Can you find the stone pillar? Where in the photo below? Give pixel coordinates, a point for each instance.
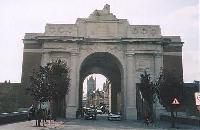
(131, 112)
(109, 98)
(158, 63)
(158, 108)
(45, 58)
(114, 97)
(72, 103)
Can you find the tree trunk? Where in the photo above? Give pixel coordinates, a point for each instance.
(61, 107)
(39, 119)
(53, 107)
(58, 108)
(172, 117)
(152, 113)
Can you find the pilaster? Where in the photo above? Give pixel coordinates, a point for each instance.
(73, 93)
(131, 112)
(45, 58)
(158, 63)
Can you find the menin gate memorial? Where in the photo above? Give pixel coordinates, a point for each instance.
(107, 45)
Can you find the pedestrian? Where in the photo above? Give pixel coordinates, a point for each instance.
(146, 118)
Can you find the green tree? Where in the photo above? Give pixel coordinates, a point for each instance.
(169, 87)
(59, 80)
(39, 86)
(148, 91)
(51, 83)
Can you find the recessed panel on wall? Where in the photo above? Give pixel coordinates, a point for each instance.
(102, 30)
(144, 63)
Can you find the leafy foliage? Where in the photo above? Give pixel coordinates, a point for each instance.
(146, 87)
(51, 82)
(59, 79)
(166, 88)
(170, 87)
(148, 90)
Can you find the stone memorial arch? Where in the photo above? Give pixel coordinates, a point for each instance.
(107, 45)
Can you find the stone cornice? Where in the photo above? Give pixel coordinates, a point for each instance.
(172, 41)
(143, 40)
(152, 52)
(61, 39)
(49, 50)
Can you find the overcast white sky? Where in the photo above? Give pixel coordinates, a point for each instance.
(17, 17)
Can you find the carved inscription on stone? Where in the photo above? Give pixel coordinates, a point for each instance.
(99, 30)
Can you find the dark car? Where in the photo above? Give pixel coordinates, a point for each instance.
(90, 114)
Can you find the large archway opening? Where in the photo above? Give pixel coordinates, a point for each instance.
(108, 65)
(96, 92)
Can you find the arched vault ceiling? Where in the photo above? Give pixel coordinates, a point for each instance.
(102, 63)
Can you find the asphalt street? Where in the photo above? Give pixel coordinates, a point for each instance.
(100, 124)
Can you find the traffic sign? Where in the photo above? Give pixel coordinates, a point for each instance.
(175, 102)
(197, 98)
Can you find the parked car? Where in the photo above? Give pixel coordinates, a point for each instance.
(90, 114)
(114, 117)
(99, 111)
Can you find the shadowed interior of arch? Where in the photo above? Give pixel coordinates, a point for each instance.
(108, 65)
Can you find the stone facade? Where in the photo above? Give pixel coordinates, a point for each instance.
(91, 89)
(91, 85)
(107, 92)
(123, 51)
